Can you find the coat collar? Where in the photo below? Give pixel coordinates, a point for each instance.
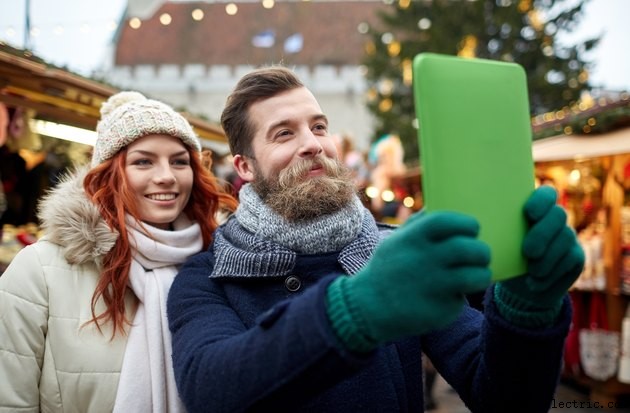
(69, 219)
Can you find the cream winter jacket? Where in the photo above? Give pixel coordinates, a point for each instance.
(49, 360)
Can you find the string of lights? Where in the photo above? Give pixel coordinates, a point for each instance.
(10, 33)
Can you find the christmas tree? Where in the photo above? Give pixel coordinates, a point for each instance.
(521, 31)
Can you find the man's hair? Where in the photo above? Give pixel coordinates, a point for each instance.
(257, 85)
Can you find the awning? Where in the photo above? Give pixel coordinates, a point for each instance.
(567, 147)
(63, 97)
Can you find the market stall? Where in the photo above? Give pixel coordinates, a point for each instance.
(592, 176)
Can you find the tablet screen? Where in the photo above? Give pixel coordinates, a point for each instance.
(475, 145)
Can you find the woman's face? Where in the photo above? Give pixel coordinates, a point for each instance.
(158, 171)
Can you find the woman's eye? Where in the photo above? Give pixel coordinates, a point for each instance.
(141, 162)
(181, 162)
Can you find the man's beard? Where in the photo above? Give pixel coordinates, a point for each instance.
(297, 197)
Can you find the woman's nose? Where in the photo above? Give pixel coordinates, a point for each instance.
(164, 175)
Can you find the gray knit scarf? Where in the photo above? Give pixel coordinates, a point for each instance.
(323, 234)
(257, 241)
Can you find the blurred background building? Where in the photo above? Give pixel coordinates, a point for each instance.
(191, 54)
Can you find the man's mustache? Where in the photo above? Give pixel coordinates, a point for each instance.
(301, 169)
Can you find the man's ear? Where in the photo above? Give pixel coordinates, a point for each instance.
(244, 167)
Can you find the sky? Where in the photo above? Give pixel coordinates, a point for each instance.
(76, 34)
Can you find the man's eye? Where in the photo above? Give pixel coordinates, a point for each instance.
(283, 134)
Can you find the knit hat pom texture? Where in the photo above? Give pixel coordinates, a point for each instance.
(119, 99)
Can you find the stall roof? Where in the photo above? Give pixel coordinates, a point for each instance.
(567, 147)
(63, 97)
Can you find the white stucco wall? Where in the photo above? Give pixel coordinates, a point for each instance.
(203, 90)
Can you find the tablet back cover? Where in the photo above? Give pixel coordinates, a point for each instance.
(476, 148)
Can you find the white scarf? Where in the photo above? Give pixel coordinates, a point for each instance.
(147, 382)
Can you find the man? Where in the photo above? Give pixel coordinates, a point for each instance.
(302, 304)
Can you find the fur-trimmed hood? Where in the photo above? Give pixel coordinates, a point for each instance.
(69, 219)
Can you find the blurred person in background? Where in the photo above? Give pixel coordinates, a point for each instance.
(82, 311)
(386, 160)
(13, 172)
(353, 159)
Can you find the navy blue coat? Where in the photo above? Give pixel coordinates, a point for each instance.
(254, 344)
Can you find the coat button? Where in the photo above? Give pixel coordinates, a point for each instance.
(292, 283)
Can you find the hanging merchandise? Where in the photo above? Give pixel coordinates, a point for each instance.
(625, 269)
(591, 237)
(625, 250)
(625, 225)
(599, 347)
(3, 205)
(4, 126)
(572, 343)
(593, 276)
(624, 361)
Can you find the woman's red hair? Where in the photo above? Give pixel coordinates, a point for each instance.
(106, 185)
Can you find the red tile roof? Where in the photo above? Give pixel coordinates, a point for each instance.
(329, 30)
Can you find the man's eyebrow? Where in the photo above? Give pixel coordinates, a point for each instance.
(285, 122)
(321, 116)
(278, 124)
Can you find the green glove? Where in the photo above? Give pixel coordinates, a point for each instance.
(554, 261)
(415, 282)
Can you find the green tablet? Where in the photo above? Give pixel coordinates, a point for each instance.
(476, 148)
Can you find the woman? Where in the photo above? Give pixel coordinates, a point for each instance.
(82, 311)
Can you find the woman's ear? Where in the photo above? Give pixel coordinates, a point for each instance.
(244, 167)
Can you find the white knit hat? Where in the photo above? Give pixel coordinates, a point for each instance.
(128, 115)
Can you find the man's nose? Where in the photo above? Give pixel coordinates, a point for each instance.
(311, 144)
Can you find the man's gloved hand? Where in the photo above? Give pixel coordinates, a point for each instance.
(555, 260)
(415, 282)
